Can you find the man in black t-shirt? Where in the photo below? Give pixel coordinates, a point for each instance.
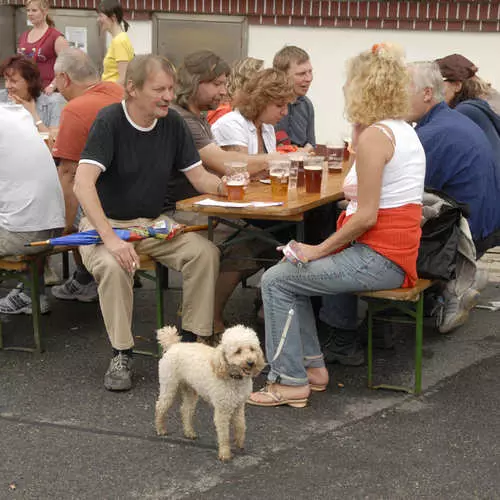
(133, 149)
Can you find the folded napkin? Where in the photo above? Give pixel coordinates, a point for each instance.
(208, 202)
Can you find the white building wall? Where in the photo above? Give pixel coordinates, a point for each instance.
(141, 36)
(329, 48)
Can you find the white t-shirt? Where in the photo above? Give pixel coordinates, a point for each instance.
(403, 176)
(31, 197)
(233, 129)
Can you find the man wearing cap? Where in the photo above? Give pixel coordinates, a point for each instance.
(459, 162)
(468, 94)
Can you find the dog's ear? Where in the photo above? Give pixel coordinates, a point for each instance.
(219, 363)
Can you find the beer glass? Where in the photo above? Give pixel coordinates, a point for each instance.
(279, 171)
(236, 179)
(313, 172)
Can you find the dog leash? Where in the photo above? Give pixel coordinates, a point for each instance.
(284, 333)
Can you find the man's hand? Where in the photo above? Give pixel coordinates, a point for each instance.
(124, 252)
(69, 230)
(49, 89)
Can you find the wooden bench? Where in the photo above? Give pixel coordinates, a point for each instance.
(25, 268)
(409, 302)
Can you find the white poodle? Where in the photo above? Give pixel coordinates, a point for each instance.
(222, 376)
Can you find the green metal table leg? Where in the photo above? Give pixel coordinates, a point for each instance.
(35, 303)
(370, 346)
(419, 344)
(210, 228)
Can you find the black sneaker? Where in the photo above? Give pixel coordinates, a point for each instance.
(119, 374)
(341, 346)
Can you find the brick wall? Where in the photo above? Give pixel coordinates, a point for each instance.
(444, 15)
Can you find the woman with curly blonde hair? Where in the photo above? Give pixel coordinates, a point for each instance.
(376, 243)
(260, 104)
(241, 71)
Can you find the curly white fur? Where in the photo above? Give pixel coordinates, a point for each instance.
(221, 376)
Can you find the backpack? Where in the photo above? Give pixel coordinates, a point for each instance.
(437, 254)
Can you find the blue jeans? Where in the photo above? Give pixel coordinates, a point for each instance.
(286, 286)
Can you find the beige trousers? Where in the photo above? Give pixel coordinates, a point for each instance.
(191, 254)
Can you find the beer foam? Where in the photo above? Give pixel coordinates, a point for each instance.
(313, 167)
(235, 183)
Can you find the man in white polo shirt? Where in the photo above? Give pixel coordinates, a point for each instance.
(32, 204)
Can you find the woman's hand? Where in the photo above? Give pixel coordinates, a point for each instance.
(296, 252)
(310, 252)
(30, 105)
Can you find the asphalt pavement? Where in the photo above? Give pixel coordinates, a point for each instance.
(63, 436)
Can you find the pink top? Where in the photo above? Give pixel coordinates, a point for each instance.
(42, 52)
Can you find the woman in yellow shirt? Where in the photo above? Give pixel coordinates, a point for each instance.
(120, 51)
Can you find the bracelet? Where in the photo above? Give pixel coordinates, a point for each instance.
(38, 123)
(219, 188)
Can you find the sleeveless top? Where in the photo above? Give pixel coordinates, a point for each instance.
(42, 52)
(396, 234)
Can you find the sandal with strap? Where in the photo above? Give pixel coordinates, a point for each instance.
(275, 398)
(318, 387)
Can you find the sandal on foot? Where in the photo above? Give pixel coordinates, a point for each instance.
(318, 387)
(274, 398)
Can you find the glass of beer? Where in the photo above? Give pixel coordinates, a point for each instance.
(236, 180)
(297, 159)
(313, 171)
(279, 172)
(335, 157)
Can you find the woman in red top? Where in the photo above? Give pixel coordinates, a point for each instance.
(43, 42)
(376, 244)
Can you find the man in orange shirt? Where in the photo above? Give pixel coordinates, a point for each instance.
(77, 79)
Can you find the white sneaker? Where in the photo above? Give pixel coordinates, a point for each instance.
(481, 279)
(456, 310)
(72, 290)
(18, 302)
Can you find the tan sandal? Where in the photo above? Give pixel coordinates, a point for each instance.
(275, 398)
(318, 387)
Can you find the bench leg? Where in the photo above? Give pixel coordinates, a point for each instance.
(370, 346)
(35, 303)
(419, 328)
(1, 336)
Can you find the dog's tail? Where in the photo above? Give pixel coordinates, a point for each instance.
(168, 336)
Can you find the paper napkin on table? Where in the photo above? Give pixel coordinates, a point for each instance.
(208, 202)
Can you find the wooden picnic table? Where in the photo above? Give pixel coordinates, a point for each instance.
(293, 209)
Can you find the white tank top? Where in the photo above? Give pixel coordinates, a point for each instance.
(403, 176)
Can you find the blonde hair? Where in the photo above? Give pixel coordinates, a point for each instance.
(44, 5)
(377, 85)
(264, 87)
(241, 72)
